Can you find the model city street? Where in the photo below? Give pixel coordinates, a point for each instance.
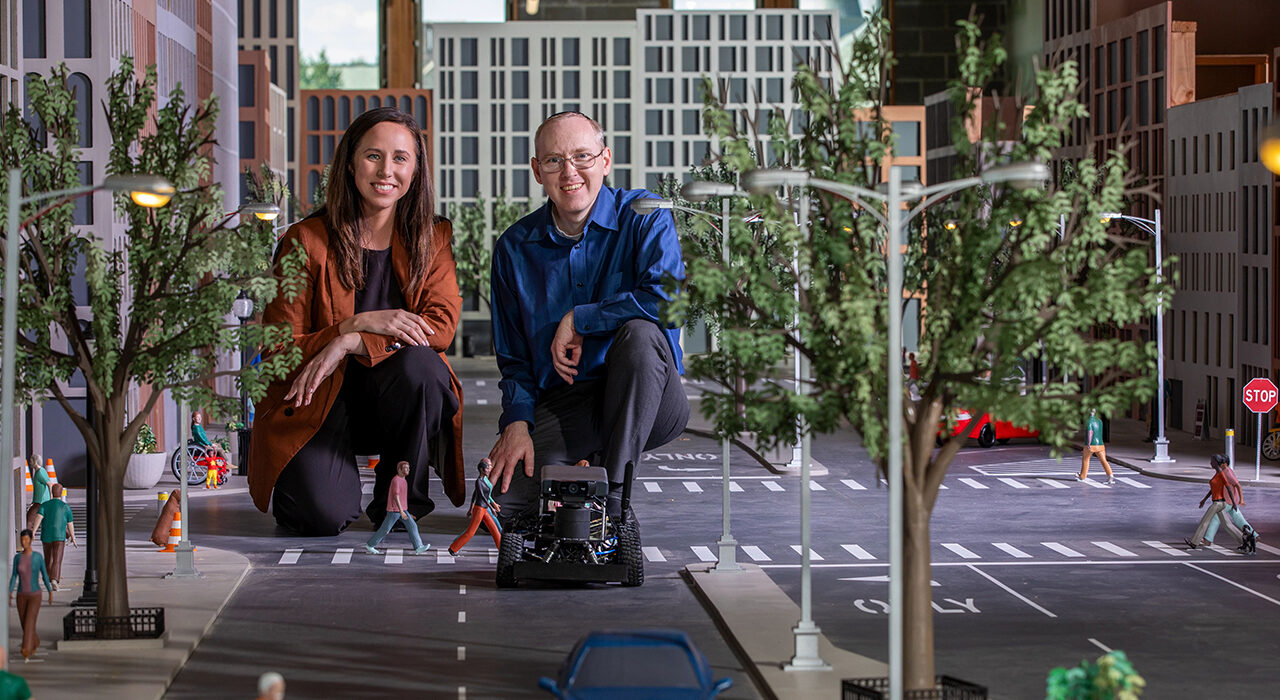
(1033, 570)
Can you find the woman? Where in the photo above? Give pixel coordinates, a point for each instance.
(28, 571)
(377, 310)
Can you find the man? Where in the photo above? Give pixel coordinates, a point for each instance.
(590, 368)
(56, 527)
(1094, 445)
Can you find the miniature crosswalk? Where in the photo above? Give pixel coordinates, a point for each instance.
(829, 554)
(710, 484)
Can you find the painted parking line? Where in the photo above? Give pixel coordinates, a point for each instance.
(1171, 551)
(1133, 482)
(1062, 549)
(342, 556)
(291, 556)
(815, 486)
(773, 485)
(958, 549)
(1011, 550)
(1223, 578)
(462, 653)
(857, 552)
(1013, 482)
(652, 554)
(652, 487)
(973, 483)
(1223, 550)
(394, 556)
(1105, 649)
(1114, 549)
(853, 485)
(692, 487)
(813, 556)
(1096, 484)
(735, 487)
(703, 553)
(1010, 591)
(755, 553)
(1054, 483)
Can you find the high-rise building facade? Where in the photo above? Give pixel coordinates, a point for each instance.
(263, 117)
(272, 26)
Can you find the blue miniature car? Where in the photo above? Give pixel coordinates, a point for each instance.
(635, 664)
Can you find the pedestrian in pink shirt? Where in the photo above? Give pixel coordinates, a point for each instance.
(397, 497)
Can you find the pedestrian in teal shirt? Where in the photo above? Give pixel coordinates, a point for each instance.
(39, 490)
(1095, 445)
(28, 571)
(56, 527)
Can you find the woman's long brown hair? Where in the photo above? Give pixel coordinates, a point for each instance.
(342, 210)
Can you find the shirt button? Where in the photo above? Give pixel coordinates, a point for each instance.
(579, 284)
(288, 412)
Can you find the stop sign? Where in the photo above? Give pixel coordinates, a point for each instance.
(1260, 395)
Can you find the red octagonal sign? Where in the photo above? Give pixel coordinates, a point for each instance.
(1260, 395)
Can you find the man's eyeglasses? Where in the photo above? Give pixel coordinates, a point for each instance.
(581, 161)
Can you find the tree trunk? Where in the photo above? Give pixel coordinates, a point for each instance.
(113, 584)
(918, 670)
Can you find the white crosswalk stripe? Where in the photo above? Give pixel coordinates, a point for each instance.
(291, 556)
(1114, 549)
(1269, 548)
(1011, 550)
(735, 487)
(960, 550)
(1096, 484)
(342, 556)
(755, 553)
(813, 556)
(652, 487)
(1166, 548)
(443, 556)
(493, 555)
(973, 483)
(1054, 483)
(652, 554)
(692, 487)
(1224, 551)
(394, 556)
(1133, 482)
(1062, 549)
(815, 486)
(1013, 482)
(857, 552)
(703, 553)
(853, 485)
(773, 485)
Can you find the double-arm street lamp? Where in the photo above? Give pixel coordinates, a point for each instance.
(145, 190)
(895, 224)
(1153, 227)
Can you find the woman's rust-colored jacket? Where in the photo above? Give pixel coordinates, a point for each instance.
(279, 429)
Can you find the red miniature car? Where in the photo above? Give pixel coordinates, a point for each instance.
(988, 431)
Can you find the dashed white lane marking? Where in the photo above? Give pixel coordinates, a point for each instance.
(857, 552)
(394, 556)
(1013, 482)
(493, 555)
(462, 589)
(1224, 551)
(480, 382)
(1106, 649)
(1114, 549)
(1011, 550)
(755, 553)
(462, 616)
(1096, 484)
(1062, 549)
(1133, 482)
(943, 487)
(462, 653)
(1223, 578)
(815, 486)
(291, 556)
(1053, 483)
(1166, 548)
(853, 485)
(462, 692)
(652, 487)
(735, 487)
(773, 485)
(443, 556)
(813, 556)
(482, 402)
(692, 487)
(652, 554)
(964, 552)
(1010, 591)
(342, 556)
(703, 553)
(973, 484)
(1268, 548)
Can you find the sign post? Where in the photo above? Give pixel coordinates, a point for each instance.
(1260, 397)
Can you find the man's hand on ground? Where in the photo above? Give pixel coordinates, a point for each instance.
(513, 446)
(566, 349)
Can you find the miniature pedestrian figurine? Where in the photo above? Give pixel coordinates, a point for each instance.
(40, 490)
(13, 686)
(201, 438)
(397, 509)
(271, 686)
(28, 571)
(56, 528)
(1225, 510)
(913, 369)
(483, 510)
(1095, 446)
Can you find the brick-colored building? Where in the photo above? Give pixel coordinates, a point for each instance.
(263, 116)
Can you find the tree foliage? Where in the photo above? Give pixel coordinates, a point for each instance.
(318, 74)
(995, 297)
(1111, 677)
(150, 307)
(473, 238)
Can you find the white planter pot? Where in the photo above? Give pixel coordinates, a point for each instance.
(144, 470)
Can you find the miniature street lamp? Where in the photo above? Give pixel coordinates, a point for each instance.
(1269, 148)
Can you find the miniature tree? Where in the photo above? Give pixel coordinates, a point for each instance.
(995, 296)
(158, 300)
(472, 246)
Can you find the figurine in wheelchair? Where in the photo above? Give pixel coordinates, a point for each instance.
(208, 461)
(571, 537)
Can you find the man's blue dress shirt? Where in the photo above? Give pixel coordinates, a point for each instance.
(615, 273)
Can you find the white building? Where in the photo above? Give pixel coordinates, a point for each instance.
(1217, 221)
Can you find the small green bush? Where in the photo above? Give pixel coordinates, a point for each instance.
(146, 441)
(1111, 677)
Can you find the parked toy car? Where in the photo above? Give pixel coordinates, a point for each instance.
(633, 665)
(988, 431)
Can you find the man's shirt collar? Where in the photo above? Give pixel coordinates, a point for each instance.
(603, 215)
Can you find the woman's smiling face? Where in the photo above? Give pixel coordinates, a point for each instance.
(384, 164)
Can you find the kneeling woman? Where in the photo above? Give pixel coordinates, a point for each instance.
(378, 309)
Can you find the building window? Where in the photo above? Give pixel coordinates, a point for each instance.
(83, 215)
(520, 183)
(701, 27)
(247, 141)
(470, 117)
(469, 81)
(1126, 59)
(908, 139)
(570, 52)
(520, 84)
(622, 85)
(663, 27)
(653, 59)
(1144, 52)
(764, 58)
(653, 122)
(622, 149)
(621, 117)
(664, 89)
(327, 113)
(470, 150)
(773, 27)
(246, 87)
(520, 149)
(570, 80)
(82, 92)
(689, 59)
(468, 52)
(34, 31)
(519, 52)
(621, 52)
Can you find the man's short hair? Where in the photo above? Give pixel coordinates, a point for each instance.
(56, 490)
(267, 680)
(595, 126)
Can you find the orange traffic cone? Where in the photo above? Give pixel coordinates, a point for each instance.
(175, 533)
(373, 462)
(30, 488)
(53, 476)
